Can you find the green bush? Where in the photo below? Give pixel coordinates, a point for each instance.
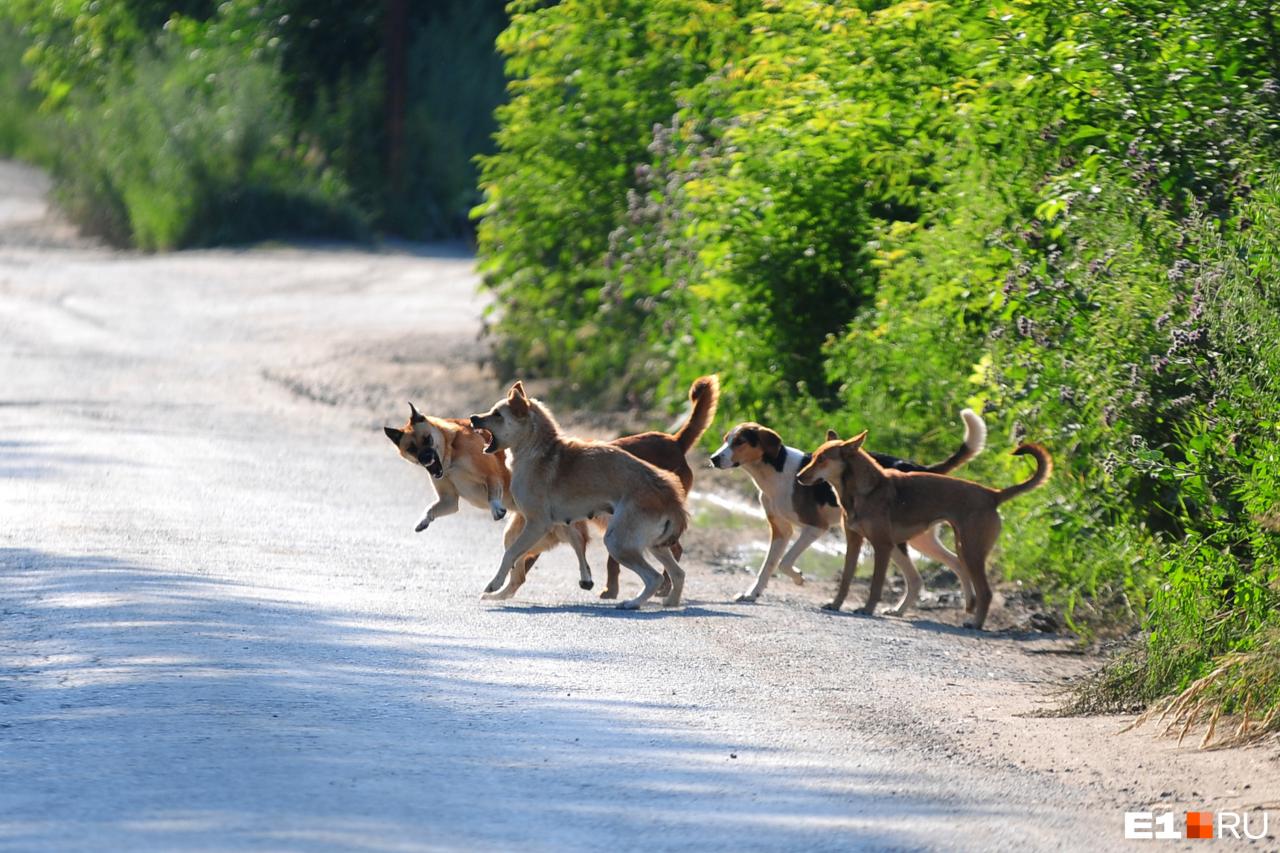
(20, 122)
(195, 147)
(316, 69)
(871, 214)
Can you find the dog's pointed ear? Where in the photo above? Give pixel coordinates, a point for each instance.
(394, 434)
(415, 417)
(518, 400)
(832, 435)
(855, 443)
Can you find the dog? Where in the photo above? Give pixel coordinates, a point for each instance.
(667, 451)
(453, 454)
(556, 478)
(814, 509)
(885, 507)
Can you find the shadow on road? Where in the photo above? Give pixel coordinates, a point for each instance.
(145, 709)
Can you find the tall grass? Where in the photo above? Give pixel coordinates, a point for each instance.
(196, 147)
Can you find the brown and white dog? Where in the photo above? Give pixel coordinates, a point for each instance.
(886, 507)
(559, 479)
(814, 509)
(453, 454)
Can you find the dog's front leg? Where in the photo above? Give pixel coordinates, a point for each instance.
(578, 542)
(446, 504)
(779, 533)
(852, 551)
(530, 535)
(882, 548)
(495, 490)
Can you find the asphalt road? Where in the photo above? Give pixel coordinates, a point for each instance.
(219, 632)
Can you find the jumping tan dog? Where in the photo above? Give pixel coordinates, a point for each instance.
(453, 454)
(814, 509)
(887, 507)
(558, 479)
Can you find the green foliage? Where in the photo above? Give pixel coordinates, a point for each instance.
(20, 123)
(316, 69)
(870, 214)
(195, 147)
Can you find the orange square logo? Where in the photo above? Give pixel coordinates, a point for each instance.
(1199, 825)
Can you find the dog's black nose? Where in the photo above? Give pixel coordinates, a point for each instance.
(475, 422)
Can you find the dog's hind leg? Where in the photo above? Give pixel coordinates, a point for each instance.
(911, 594)
(675, 574)
(975, 545)
(779, 532)
(930, 545)
(620, 545)
(852, 551)
(808, 535)
(664, 588)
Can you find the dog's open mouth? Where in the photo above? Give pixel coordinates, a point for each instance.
(431, 462)
(492, 446)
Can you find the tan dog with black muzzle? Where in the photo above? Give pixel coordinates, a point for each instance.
(453, 454)
(885, 507)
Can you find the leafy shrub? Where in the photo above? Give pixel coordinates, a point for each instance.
(196, 147)
(871, 214)
(318, 71)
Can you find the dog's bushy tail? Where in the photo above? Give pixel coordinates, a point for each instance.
(705, 396)
(975, 439)
(1044, 467)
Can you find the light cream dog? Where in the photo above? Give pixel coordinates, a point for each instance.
(558, 479)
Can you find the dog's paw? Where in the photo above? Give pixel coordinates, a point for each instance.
(798, 579)
(608, 593)
(972, 624)
(747, 598)
(422, 525)
(832, 606)
(498, 510)
(586, 584)
(895, 611)
(628, 605)
(491, 588)
(670, 602)
(866, 610)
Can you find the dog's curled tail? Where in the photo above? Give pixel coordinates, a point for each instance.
(975, 439)
(1044, 467)
(704, 393)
